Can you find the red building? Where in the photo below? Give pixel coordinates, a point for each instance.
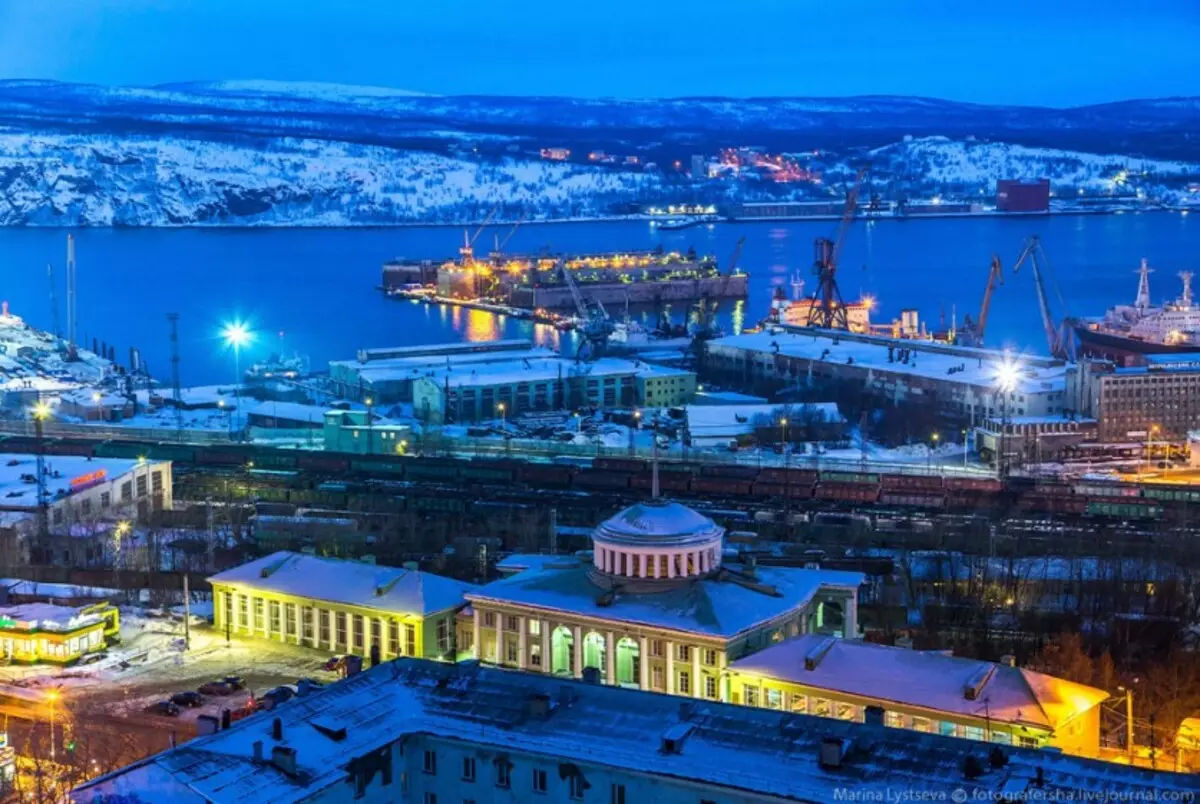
(1023, 196)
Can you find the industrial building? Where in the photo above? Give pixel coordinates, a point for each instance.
(926, 691)
(1159, 400)
(386, 376)
(435, 733)
(956, 385)
(508, 388)
(656, 606)
(339, 606)
(361, 432)
(1013, 195)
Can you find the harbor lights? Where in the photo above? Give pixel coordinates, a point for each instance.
(236, 335)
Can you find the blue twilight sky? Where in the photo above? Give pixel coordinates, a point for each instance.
(1052, 52)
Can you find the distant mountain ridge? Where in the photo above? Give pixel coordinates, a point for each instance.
(261, 153)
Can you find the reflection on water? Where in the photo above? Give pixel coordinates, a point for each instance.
(738, 317)
(482, 326)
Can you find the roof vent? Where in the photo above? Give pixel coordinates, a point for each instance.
(833, 752)
(814, 656)
(674, 738)
(273, 567)
(385, 587)
(975, 684)
(258, 751)
(539, 705)
(284, 758)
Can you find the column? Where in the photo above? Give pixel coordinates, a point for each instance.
(477, 636)
(610, 659)
(547, 664)
(644, 663)
(670, 565)
(723, 678)
(641, 573)
(697, 687)
(499, 638)
(669, 647)
(655, 560)
(577, 648)
(522, 644)
(851, 618)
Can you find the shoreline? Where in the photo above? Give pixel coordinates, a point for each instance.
(251, 227)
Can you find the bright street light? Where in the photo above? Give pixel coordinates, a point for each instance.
(237, 334)
(123, 527)
(41, 411)
(1008, 374)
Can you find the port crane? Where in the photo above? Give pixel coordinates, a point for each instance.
(1058, 334)
(973, 331)
(828, 311)
(737, 252)
(594, 324)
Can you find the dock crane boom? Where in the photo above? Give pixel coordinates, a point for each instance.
(828, 311)
(737, 252)
(1057, 335)
(995, 279)
(594, 324)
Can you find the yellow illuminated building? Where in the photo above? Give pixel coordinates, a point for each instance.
(339, 606)
(925, 691)
(43, 632)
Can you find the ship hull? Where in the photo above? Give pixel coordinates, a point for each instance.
(1121, 348)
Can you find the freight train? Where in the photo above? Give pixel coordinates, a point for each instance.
(269, 466)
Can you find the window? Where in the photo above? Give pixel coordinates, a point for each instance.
(85, 506)
(105, 499)
(656, 678)
(58, 516)
(306, 623)
(656, 647)
(751, 694)
(535, 655)
(1002, 737)
(535, 627)
(710, 658)
(410, 640)
(710, 687)
(845, 711)
(468, 769)
(443, 635)
(156, 482)
(921, 724)
(503, 774)
(618, 794)
(684, 683)
(126, 491)
(684, 653)
(947, 729)
(376, 633)
(358, 632)
(274, 617)
(489, 619)
(259, 624)
(289, 618)
(973, 733)
(824, 708)
(429, 765)
(510, 651)
(799, 703)
(141, 485)
(511, 624)
(394, 638)
(774, 699)
(323, 618)
(1027, 742)
(243, 611)
(539, 780)
(341, 628)
(575, 785)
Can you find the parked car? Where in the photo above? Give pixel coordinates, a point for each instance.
(236, 682)
(166, 708)
(216, 688)
(334, 663)
(189, 699)
(311, 682)
(274, 697)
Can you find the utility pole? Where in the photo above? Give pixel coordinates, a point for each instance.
(175, 389)
(43, 521)
(71, 312)
(1129, 723)
(53, 303)
(187, 614)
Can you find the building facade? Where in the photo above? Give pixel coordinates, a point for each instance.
(655, 607)
(339, 606)
(32, 633)
(924, 691)
(1138, 403)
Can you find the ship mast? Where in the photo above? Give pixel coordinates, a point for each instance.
(1186, 299)
(1142, 303)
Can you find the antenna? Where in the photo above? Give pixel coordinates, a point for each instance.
(654, 466)
(71, 354)
(175, 390)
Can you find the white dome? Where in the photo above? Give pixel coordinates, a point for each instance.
(658, 539)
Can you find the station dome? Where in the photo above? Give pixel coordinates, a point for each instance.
(658, 539)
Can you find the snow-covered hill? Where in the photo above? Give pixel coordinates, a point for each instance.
(53, 179)
(256, 153)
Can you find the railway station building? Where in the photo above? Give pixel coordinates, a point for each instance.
(339, 606)
(657, 605)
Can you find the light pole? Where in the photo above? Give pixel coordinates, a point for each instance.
(966, 448)
(52, 697)
(934, 438)
(96, 397)
(1007, 375)
(237, 335)
(369, 402)
(783, 423)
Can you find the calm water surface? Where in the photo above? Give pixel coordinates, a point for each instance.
(318, 287)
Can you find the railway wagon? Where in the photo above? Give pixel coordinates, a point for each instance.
(732, 471)
(989, 485)
(788, 476)
(600, 479)
(1123, 508)
(847, 492)
(912, 499)
(667, 481)
(850, 477)
(334, 464)
(721, 485)
(392, 469)
(1044, 503)
(431, 469)
(58, 446)
(546, 475)
(620, 464)
(925, 483)
(796, 491)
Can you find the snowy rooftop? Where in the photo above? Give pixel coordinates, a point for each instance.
(519, 562)
(716, 421)
(16, 490)
(925, 679)
(17, 586)
(544, 369)
(718, 606)
(976, 367)
(401, 368)
(745, 751)
(291, 411)
(657, 522)
(351, 583)
(45, 615)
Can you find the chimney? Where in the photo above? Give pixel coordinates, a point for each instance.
(833, 751)
(873, 716)
(258, 752)
(277, 729)
(284, 758)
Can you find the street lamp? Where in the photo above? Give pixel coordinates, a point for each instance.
(96, 397)
(237, 335)
(503, 420)
(637, 424)
(52, 697)
(934, 438)
(783, 423)
(369, 402)
(1008, 373)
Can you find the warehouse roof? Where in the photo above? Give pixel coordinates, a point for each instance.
(724, 605)
(544, 369)
(924, 679)
(18, 475)
(351, 583)
(743, 750)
